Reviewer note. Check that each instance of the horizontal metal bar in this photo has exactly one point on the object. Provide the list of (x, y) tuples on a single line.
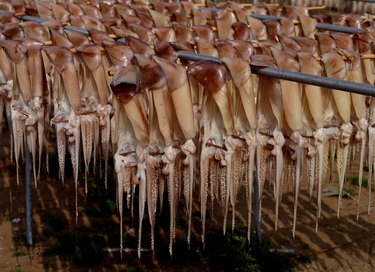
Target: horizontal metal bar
[(367, 1), (321, 26), (32, 18), (77, 29), (41, 20), (338, 28), (326, 82), (196, 57), (343, 85)]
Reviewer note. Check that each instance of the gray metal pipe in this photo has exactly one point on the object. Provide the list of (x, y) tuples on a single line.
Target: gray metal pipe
[(326, 82), (366, 1), (41, 20), (321, 26), (77, 29)]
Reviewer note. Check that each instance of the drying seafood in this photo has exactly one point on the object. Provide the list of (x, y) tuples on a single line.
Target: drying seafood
[(180, 124)]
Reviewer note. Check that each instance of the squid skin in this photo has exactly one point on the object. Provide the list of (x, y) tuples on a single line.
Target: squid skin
[(244, 49), (273, 29), (182, 32), (165, 34), (241, 31), (69, 88), (139, 47), (309, 65), (308, 25), (290, 90), (38, 90), (293, 116), (93, 60), (60, 39), (207, 153), (288, 28), (355, 74), (18, 128), (212, 76), (252, 148), (77, 39), (178, 85), (314, 97), (63, 61), (125, 160), (141, 176), (204, 32), (335, 67), (120, 54), (224, 20), (23, 118), (16, 52), (152, 78), (144, 34), (125, 86), (165, 51), (73, 132), (225, 49), (326, 42), (307, 45), (153, 173), (160, 20), (270, 120), (364, 47), (198, 17), (289, 45), (371, 150), (241, 74), (257, 28)]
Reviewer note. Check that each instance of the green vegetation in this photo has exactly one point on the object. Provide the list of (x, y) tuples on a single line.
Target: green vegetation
[(354, 180), (82, 246), (7, 217), (83, 250), (17, 269), (19, 252), (131, 269), (233, 253)]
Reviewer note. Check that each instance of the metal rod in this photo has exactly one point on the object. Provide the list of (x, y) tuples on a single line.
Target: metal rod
[(367, 1), (31, 18), (77, 29), (41, 20), (321, 26), (28, 197), (326, 82)]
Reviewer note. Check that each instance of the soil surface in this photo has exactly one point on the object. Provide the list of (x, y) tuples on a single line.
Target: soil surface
[(343, 244)]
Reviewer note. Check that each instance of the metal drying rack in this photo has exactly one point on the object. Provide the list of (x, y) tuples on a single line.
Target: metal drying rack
[(347, 86)]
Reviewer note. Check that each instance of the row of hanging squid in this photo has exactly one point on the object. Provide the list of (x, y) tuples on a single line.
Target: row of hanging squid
[(185, 126), (354, 6)]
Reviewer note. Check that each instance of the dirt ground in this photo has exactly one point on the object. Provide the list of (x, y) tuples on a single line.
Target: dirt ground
[(343, 244)]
